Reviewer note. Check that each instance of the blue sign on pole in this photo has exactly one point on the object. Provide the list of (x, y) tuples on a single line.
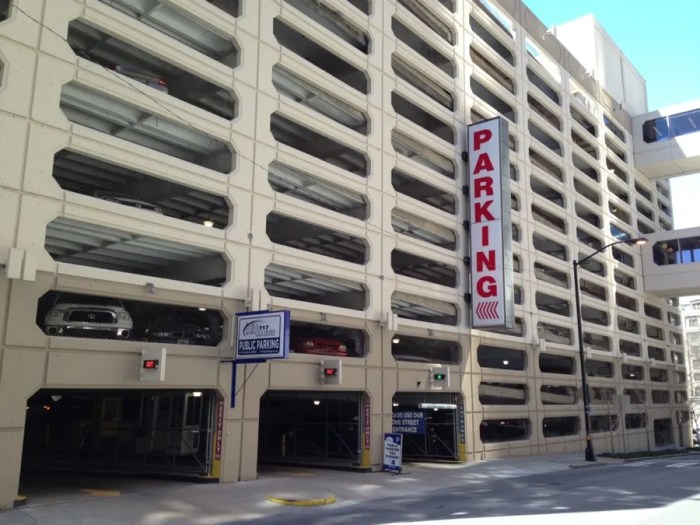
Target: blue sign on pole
[(408, 422), (393, 449), (262, 335)]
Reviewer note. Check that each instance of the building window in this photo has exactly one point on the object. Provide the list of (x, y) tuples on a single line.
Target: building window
[(501, 358), (635, 421), (604, 423), (560, 426), (499, 430)]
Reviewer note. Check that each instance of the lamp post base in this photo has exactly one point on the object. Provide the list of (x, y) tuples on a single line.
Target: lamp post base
[(590, 455)]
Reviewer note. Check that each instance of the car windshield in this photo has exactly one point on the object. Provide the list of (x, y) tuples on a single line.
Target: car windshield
[(71, 298)]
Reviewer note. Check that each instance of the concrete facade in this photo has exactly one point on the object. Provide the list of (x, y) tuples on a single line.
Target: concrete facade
[(573, 178)]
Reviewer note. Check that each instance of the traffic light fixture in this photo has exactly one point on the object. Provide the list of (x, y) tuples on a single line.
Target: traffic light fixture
[(331, 372), (439, 377)]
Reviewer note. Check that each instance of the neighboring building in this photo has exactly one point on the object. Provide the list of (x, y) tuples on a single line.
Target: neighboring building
[(167, 164), (691, 329)]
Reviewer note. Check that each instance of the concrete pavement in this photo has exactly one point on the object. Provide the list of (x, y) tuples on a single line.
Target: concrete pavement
[(111, 501)]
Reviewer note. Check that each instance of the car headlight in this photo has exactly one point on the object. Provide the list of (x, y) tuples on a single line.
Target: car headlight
[(123, 316), (308, 344), (342, 348), (56, 313)]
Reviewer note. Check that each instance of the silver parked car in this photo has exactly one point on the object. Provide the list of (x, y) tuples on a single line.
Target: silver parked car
[(88, 316)]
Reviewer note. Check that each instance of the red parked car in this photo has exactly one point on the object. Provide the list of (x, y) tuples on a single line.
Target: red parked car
[(319, 345)]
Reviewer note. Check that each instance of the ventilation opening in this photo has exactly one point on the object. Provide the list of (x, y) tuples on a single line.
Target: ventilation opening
[(500, 430), (334, 21), (97, 317), (492, 70), (652, 311), (637, 395), (317, 339), (423, 350), (314, 190), (625, 280), (362, 5), (485, 95), (553, 305), (85, 244), (589, 240), (542, 216), (584, 144), (664, 189), (558, 395), (560, 426), (410, 265), (312, 143), (136, 64), (593, 266), (616, 130), (619, 152), (625, 301), (618, 192), (422, 154), (630, 348), (406, 71), (632, 372), (550, 275), (661, 397), (4, 12), (554, 333), (546, 166), (616, 170), (422, 118), (644, 228), (557, 364), (585, 122), (544, 138), (317, 239), (645, 210), (302, 285), (418, 308), (423, 230), (109, 115), (587, 215), (502, 393), (655, 332), (552, 248), (596, 368), (179, 24), (318, 99), (593, 290), (547, 192), (501, 358), (419, 190), (658, 375), (435, 23), (424, 49), (518, 329), (320, 57), (585, 168), (543, 111), (448, 4), (627, 325), (595, 316), (641, 190), (126, 187), (543, 86), (585, 191), (623, 257), (493, 42)]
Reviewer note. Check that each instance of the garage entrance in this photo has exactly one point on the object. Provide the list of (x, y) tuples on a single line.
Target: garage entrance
[(120, 431), (432, 425), (312, 428)]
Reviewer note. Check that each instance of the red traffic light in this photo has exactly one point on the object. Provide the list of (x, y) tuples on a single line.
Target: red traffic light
[(330, 372)]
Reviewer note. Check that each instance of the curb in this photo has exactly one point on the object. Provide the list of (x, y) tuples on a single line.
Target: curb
[(301, 502), (20, 501), (588, 465)]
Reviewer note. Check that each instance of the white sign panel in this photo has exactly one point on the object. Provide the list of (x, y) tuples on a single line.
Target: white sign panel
[(393, 452), (262, 335), (489, 224)]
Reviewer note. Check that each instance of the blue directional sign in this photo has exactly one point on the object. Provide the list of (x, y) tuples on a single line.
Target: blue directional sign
[(393, 449), (408, 422)]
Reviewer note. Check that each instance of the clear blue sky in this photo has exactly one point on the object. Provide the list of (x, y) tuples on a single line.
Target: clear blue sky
[(662, 40)]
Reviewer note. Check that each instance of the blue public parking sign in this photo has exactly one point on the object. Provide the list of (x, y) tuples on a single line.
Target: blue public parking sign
[(393, 449)]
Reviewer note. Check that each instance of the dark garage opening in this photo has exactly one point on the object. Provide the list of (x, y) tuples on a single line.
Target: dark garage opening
[(311, 428), (152, 432), (431, 425)]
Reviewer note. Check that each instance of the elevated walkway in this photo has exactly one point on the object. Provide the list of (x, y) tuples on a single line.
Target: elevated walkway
[(671, 262), (667, 141)]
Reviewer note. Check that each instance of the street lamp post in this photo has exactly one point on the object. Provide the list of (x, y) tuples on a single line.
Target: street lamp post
[(590, 453)]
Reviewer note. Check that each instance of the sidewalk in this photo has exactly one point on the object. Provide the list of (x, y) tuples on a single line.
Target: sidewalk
[(157, 502)]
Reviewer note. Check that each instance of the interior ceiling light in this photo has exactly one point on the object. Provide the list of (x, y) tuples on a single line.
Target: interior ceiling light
[(395, 340), (208, 223)]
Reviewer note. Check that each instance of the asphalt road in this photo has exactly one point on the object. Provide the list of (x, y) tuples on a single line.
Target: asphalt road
[(659, 491)]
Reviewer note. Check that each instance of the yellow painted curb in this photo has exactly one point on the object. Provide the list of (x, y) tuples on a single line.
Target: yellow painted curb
[(302, 502)]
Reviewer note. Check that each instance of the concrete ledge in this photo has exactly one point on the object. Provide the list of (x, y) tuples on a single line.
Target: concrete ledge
[(300, 500)]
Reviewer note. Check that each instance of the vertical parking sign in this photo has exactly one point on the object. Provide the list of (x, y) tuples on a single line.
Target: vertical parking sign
[(393, 449)]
